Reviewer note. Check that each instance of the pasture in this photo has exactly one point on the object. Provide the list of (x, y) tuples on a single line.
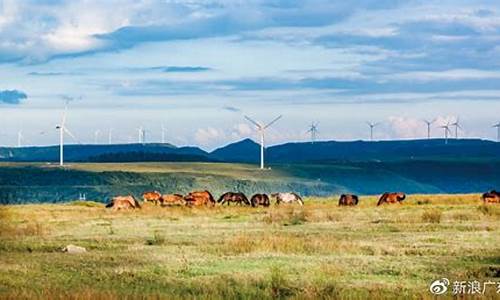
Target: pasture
[(316, 251)]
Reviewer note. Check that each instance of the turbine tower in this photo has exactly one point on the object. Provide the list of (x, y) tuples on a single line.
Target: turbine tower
[(429, 123), (142, 135), (313, 129), (446, 131), (96, 136), (62, 129), (163, 131), (20, 138), (372, 125), (497, 125), (110, 136), (457, 126), (261, 129)]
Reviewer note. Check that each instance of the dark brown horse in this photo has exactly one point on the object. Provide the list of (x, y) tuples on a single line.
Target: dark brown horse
[(238, 198), (491, 197), (348, 200), (391, 198), (260, 199), (199, 198)]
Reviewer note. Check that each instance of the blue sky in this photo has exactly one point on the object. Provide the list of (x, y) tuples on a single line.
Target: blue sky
[(198, 66)]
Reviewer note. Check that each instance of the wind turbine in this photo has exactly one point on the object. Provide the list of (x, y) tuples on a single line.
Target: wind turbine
[(261, 129), (163, 130), (20, 138), (313, 129), (96, 135), (446, 131), (457, 125), (372, 125), (142, 135), (497, 125), (62, 129), (429, 123), (110, 136)]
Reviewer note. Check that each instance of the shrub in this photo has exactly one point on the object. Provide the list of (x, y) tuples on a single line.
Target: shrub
[(279, 285), (432, 216), (489, 210), (157, 239)]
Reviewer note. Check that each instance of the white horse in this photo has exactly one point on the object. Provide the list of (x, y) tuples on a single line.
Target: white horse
[(287, 198)]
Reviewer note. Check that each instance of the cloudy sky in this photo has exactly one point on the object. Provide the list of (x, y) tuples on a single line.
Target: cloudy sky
[(198, 66)]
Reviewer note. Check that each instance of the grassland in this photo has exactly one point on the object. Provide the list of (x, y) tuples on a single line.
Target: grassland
[(316, 251)]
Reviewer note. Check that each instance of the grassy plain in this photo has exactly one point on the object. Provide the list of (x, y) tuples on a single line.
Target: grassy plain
[(319, 251)]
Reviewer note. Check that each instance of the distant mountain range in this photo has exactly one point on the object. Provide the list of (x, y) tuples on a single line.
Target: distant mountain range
[(248, 151)]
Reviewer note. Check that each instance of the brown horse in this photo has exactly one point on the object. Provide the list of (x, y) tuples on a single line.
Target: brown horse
[(172, 199), (123, 202), (348, 200), (260, 199), (238, 198), (491, 197), (199, 198), (391, 198), (154, 197)]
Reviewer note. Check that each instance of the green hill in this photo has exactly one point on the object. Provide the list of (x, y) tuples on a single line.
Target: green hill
[(22, 183)]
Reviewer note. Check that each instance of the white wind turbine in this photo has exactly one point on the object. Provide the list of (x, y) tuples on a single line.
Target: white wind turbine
[(429, 123), (372, 125), (457, 126), (62, 129), (97, 133), (446, 131), (261, 129), (313, 130), (110, 136), (497, 125), (20, 138), (163, 131), (141, 135)]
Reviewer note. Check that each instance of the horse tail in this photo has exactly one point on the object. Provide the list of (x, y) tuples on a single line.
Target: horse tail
[(382, 199)]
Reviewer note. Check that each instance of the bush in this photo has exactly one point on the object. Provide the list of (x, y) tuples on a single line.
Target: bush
[(489, 210), (432, 216), (157, 239)]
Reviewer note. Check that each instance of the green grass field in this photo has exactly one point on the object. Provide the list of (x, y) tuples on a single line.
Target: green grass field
[(313, 252)]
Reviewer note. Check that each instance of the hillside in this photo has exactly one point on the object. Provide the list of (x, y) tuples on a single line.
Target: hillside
[(247, 151), (25, 183), (116, 152)]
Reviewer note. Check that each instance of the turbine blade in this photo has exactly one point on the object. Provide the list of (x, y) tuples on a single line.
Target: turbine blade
[(273, 121), (254, 122), (64, 116), (71, 135)]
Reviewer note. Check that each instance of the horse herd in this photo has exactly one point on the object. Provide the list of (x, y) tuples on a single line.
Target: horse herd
[(205, 198)]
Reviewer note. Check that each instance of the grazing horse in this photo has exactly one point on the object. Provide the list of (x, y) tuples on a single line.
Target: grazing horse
[(391, 198), (229, 197), (172, 199), (199, 198), (491, 197), (154, 197), (123, 202), (348, 200), (287, 198), (260, 199)]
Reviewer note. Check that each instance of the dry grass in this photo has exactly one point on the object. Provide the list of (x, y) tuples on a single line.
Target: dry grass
[(318, 251)]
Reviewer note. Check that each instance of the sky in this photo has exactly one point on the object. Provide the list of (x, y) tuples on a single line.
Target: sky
[(197, 67)]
